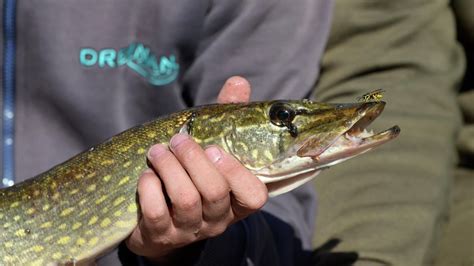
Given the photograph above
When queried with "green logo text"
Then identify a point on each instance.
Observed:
(137, 57)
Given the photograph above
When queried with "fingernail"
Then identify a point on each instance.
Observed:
(148, 171)
(177, 139)
(213, 153)
(236, 81)
(156, 150)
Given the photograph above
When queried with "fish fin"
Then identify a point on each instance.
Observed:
(283, 186)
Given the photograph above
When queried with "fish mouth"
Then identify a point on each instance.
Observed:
(349, 142)
(358, 139)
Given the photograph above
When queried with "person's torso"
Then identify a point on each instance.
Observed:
(103, 65)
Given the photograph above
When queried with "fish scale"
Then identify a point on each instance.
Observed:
(82, 207)
(87, 205)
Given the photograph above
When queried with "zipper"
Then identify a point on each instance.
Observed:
(8, 84)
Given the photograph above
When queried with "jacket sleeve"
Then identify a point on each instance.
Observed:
(277, 45)
(390, 204)
(260, 239)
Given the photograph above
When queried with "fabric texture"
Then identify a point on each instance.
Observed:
(457, 243)
(391, 204)
(87, 70)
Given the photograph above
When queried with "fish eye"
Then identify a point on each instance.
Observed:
(281, 114)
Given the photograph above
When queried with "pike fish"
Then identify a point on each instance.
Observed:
(85, 206)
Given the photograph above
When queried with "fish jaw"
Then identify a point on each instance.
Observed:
(350, 145)
(348, 118)
(312, 157)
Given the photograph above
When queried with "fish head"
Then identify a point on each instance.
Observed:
(287, 143)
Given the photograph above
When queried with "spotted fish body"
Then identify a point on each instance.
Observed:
(85, 206)
(82, 207)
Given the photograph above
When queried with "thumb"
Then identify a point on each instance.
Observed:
(235, 90)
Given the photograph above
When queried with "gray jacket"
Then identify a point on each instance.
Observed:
(86, 70)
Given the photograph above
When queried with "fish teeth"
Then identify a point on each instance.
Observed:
(354, 139)
(366, 133)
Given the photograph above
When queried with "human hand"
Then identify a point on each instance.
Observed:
(208, 190)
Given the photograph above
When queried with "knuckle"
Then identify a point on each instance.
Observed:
(188, 202)
(155, 215)
(192, 151)
(217, 194)
(216, 229)
(161, 239)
